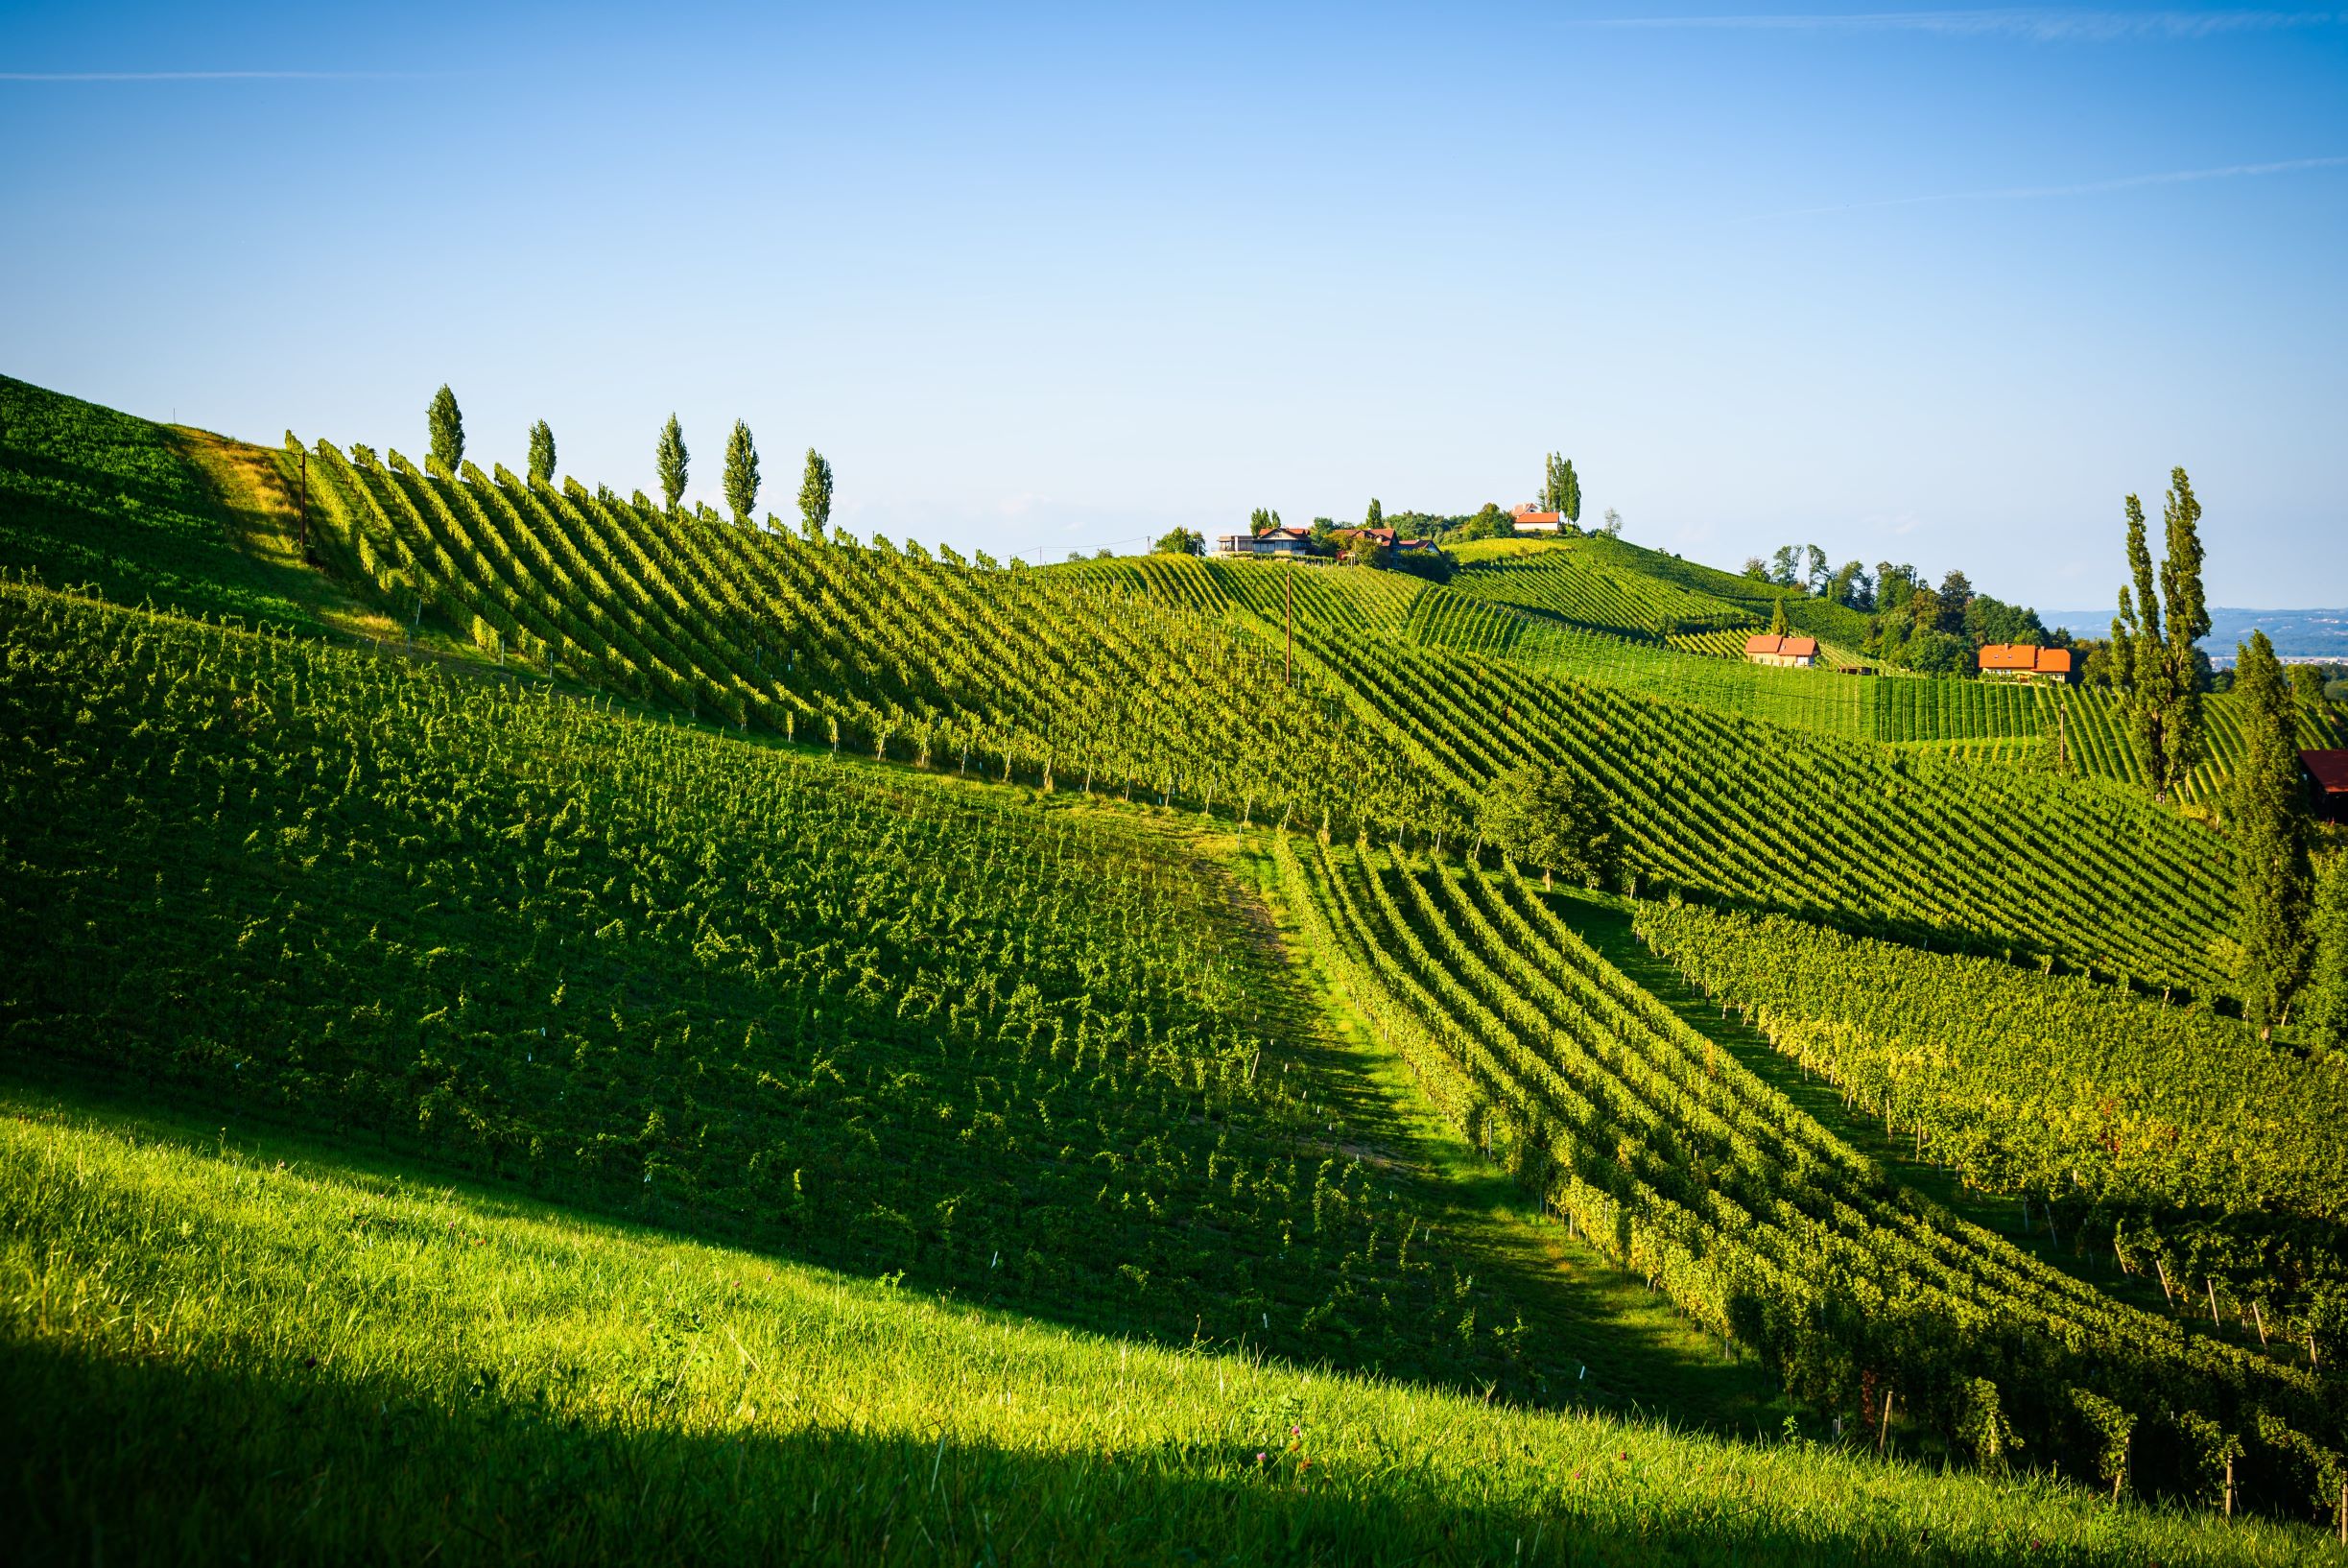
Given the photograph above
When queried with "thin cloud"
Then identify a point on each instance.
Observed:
(2031, 193)
(211, 76)
(2037, 26)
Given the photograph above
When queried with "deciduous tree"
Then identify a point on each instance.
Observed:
(2268, 813)
(447, 427)
(542, 452)
(1181, 541)
(1552, 817)
(741, 472)
(2159, 627)
(815, 495)
(2324, 1006)
(669, 457)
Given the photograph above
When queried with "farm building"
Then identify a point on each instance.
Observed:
(2328, 776)
(1385, 536)
(1276, 542)
(1767, 648)
(2020, 661)
(1529, 520)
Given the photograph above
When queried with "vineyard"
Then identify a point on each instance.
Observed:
(876, 1019)
(1155, 693)
(2200, 1155)
(1100, 975)
(1770, 1231)
(1569, 582)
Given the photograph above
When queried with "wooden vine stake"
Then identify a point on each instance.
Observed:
(1882, 1428)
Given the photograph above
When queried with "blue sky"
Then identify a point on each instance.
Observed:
(1937, 286)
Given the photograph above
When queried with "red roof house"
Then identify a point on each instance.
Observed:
(2024, 662)
(1765, 648)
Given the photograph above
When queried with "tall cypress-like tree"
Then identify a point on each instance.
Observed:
(2274, 880)
(1376, 516)
(542, 452)
(1573, 493)
(815, 495)
(1777, 618)
(669, 457)
(741, 472)
(2154, 636)
(447, 427)
(2324, 1004)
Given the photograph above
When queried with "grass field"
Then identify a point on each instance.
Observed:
(215, 1346)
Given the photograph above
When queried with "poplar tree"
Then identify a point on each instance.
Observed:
(2154, 637)
(1777, 618)
(2324, 1005)
(815, 495)
(543, 453)
(669, 457)
(2273, 881)
(1573, 493)
(741, 472)
(447, 428)
(1376, 517)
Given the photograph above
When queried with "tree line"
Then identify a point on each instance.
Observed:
(672, 461)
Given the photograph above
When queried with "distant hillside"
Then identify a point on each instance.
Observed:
(2296, 634)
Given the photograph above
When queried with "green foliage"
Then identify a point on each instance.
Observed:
(543, 453)
(447, 430)
(2267, 808)
(656, 971)
(1262, 520)
(1757, 1222)
(741, 473)
(1366, 549)
(1561, 490)
(2325, 1005)
(2154, 657)
(89, 496)
(451, 1373)
(669, 460)
(1181, 541)
(1777, 619)
(1551, 818)
(816, 496)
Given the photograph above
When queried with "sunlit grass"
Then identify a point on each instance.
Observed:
(209, 1351)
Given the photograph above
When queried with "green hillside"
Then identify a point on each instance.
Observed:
(1014, 1063)
(236, 1349)
(1170, 683)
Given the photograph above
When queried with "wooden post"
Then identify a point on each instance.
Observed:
(1882, 1428)
(2260, 1319)
(2229, 1485)
(2213, 1285)
(2166, 1293)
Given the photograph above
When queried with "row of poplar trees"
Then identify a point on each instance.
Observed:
(669, 459)
(2291, 905)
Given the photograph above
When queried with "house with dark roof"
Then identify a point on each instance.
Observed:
(1793, 653)
(2020, 661)
(1273, 541)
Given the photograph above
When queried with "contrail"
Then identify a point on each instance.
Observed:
(2038, 26)
(212, 76)
(2026, 193)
